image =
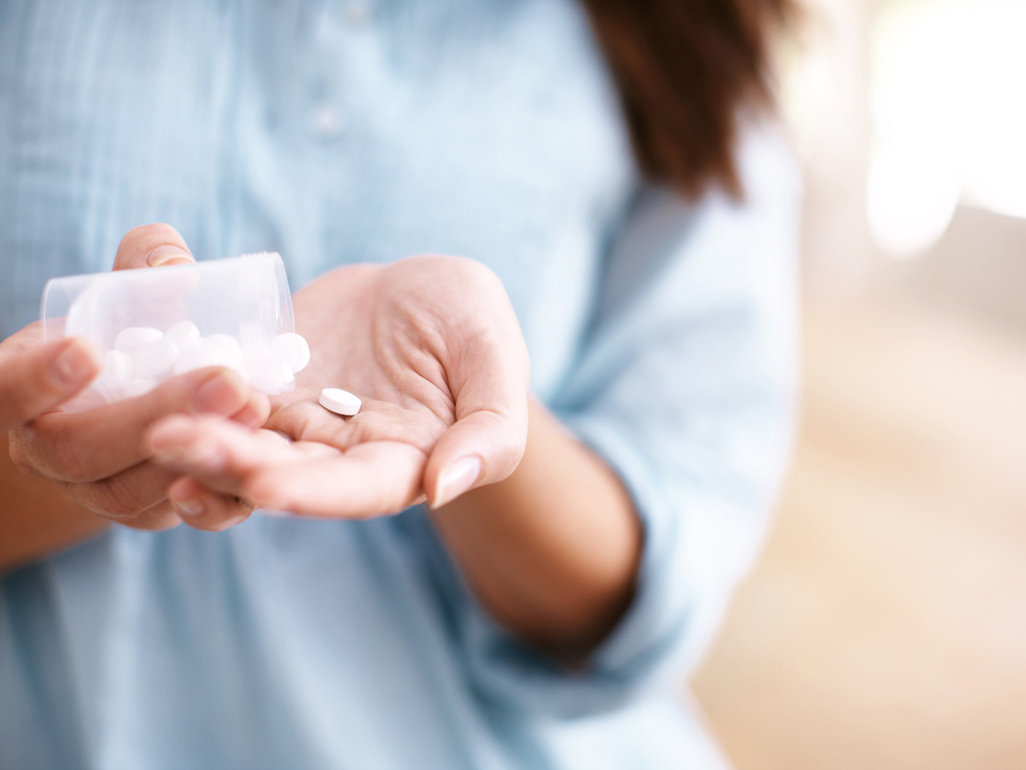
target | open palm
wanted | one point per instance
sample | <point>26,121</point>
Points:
<point>431,345</point>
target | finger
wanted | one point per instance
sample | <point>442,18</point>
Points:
<point>302,477</point>
<point>216,450</point>
<point>254,411</point>
<point>159,517</point>
<point>123,495</point>
<point>92,445</point>
<point>480,449</point>
<point>224,455</point>
<point>486,443</point>
<point>373,479</point>
<point>37,379</point>
<point>152,246</point>
<point>203,508</point>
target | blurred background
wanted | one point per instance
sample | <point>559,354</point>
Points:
<point>885,625</point>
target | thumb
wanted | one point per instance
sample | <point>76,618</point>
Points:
<point>487,442</point>
<point>152,246</point>
<point>482,448</point>
<point>35,378</point>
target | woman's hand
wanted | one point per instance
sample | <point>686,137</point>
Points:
<point>99,457</point>
<point>37,378</point>
<point>431,345</point>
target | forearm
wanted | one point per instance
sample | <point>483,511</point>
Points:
<point>553,550</point>
<point>35,519</point>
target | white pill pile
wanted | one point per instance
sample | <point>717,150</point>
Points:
<point>143,357</point>
<point>340,401</point>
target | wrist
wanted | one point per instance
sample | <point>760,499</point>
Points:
<point>552,551</point>
<point>37,520</point>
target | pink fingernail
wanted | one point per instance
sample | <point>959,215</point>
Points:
<point>456,479</point>
<point>189,507</point>
<point>74,366</point>
<point>162,255</point>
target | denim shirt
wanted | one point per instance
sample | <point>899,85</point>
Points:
<point>660,332</point>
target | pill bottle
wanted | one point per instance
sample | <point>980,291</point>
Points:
<point>156,323</point>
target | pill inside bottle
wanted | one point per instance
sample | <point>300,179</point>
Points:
<point>158,323</point>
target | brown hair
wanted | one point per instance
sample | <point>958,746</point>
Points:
<point>684,70</point>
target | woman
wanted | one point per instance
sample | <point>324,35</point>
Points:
<point>581,540</point>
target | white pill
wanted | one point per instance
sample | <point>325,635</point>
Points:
<point>271,375</point>
<point>185,334</point>
<point>117,370</point>
<point>137,388</point>
<point>156,361</point>
<point>227,348</point>
<point>135,338</point>
<point>293,349</point>
<point>117,366</point>
<point>198,357</point>
<point>340,401</point>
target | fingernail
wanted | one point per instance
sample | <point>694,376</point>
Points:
<point>162,255</point>
<point>456,479</point>
<point>189,507</point>
<point>218,395</point>
<point>74,366</point>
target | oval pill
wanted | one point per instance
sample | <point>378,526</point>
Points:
<point>117,366</point>
<point>270,375</point>
<point>156,360</point>
<point>136,388</point>
<point>340,401</point>
<point>224,347</point>
<point>196,358</point>
<point>293,349</point>
<point>135,338</point>
<point>185,334</point>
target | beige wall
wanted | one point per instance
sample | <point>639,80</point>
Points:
<point>885,626</point>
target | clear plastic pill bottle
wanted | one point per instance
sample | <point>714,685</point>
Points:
<point>154,324</point>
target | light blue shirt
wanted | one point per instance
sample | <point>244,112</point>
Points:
<point>661,333</point>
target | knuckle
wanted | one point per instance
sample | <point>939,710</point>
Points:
<point>69,459</point>
<point>254,493</point>
<point>118,498</point>
<point>482,275</point>
<point>85,496</point>
<point>243,505</point>
<point>20,456</point>
<point>467,271</point>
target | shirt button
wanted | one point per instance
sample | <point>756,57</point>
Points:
<point>326,122</point>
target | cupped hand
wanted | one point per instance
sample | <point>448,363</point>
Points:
<point>99,457</point>
<point>432,347</point>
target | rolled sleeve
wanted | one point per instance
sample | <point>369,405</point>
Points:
<point>685,386</point>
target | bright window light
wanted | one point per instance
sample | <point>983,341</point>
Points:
<point>948,105</point>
